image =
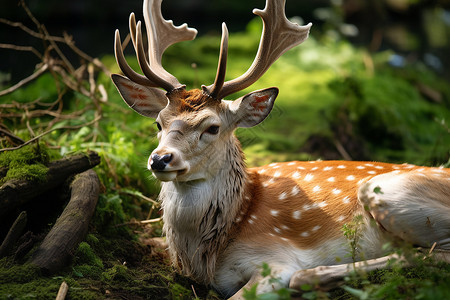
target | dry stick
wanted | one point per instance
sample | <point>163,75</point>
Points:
<point>22,48</point>
<point>15,138</point>
<point>21,83</point>
<point>47,132</point>
<point>71,227</point>
<point>62,291</point>
<point>30,31</point>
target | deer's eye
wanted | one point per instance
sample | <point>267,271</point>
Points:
<point>214,129</point>
<point>158,126</point>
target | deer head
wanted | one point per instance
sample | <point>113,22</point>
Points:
<point>196,126</point>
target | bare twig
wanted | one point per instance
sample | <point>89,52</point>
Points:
<point>30,31</point>
<point>11,136</point>
<point>156,220</point>
<point>22,48</point>
<point>23,82</point>
<point>47,132</point>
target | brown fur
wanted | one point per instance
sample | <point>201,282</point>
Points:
<point>192,100</point>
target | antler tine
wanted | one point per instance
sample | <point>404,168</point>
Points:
<point>213,91</point>
<point>162,34</point>
<point>169,84</point>
<point>279,35</point>
<point>125,68</point>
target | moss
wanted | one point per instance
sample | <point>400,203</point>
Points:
<point>117,272</point>
<point>85,255</point>
<point>179,292</point>
<point>10,273</point>
<point>25,163</point>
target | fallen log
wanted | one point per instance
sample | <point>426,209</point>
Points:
<point>71,227</point>
<point>16,192</point>
<point>330,277</point>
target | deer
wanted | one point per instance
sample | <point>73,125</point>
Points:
<point>223,220</point>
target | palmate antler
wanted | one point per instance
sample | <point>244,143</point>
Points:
<point>279,35</point>
<point>161,35</point>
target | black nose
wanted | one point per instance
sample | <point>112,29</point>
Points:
<point>159,163</point>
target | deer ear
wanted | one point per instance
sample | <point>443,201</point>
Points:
<point>144,100</point>
<point>253,108</point>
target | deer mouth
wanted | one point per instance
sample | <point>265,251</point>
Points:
<point>169,175</point>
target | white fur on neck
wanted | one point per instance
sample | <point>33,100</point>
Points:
<point>198,215</point>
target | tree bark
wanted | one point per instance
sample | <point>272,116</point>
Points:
<point>15,193</point>
<point>71,227</point>
<point>14,234</point>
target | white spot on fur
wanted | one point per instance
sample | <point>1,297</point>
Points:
<point>372,172</point>
<point>379,167</point>
<point>296,214</point>
<point>277,174</point>
<point>308,177</point>
<point>253,217</point>
<point>291,163</point>
<point>261,171</point>
<point>360,167</point>
<point>308,206</point>
<point>336,191</point>
<point>300,168</point>
<point>350,177</point>
<point>369,165</point>
<point>322,204</point>
<point>317,227</point>
<point>268,182</point>
<point>316,189</point>
<point>251,221</point>
<point>340,218</point>
<point>315,168</point>
<point>277,230</point>
<point>295,190</point>
<point>282,196</point>
<point>238,219</point>
<point>296,175</point>
<point>346,200</point>
<point>284,227</point>
<point>331,179</point>
<point>341,167</point>
<point>305,234</point>
<point>272,165</point>
<point>328,168</point>
<point>285,239</point>
<point>274,212</point>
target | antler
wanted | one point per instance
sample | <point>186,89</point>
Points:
<point>161,35</point>
<point>279,35</point>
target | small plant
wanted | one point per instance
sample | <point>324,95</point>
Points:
<point>352,231</point>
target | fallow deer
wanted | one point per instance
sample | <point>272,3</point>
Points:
<point>222,220</point>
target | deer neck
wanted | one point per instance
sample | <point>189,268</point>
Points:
<point>199,215</point>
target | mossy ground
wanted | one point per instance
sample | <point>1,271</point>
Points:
<point>102,268</point>
<point>25,163</point>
